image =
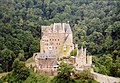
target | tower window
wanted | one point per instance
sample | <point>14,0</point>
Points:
<point>50,48</point>
<point>58,39</point>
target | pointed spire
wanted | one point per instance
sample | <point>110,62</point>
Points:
<point>84,51</point>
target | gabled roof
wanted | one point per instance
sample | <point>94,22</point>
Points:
<point>64,27</point>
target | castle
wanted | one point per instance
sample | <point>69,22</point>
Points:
<point>57,42</point>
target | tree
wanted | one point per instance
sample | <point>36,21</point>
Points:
<point>20,72</point>
<point>6,57</point>
<point>86,77</point>
<point>37,78</point>
<point>21,57</point>
<point>64,74</point>
<point>115,69</point>
<point>1,68</point>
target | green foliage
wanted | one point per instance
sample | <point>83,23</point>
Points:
<point>36,78</point>
<point>73,52</point>
<point>95,25</point>
<point>67,74</point>
<point>7,56</point>
<point>18,74</point>
<point>1,68</point>
<point>21,57</point>
<point>106,65</point>
<point>64,74</point>
<point>86,77</point>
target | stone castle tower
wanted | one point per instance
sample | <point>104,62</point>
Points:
<point>57,42</point>
<point>57,39</point>
<point>83,60</point>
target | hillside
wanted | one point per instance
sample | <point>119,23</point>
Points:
<point>95,25</point>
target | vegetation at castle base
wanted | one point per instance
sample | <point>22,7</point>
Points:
<point>22,74</point>
<point>19,73</point>
<point>67,74</point>
<point>95,25</point>
<point>37,78</point>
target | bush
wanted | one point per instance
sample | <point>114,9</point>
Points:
<point>73,52</point>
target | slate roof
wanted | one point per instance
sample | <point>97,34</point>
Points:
<point>65,27</point>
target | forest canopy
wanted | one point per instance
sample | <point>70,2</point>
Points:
<point>95,25</point>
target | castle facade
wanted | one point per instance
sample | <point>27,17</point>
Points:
<point>57,42</point>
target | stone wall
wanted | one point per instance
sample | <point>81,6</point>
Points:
<point>105,79</point>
